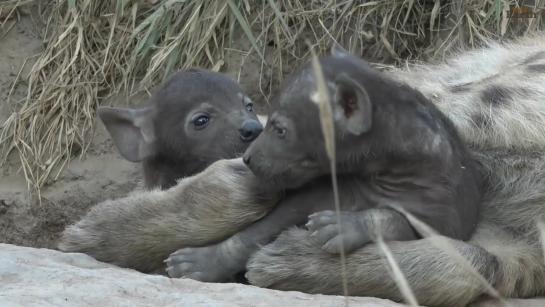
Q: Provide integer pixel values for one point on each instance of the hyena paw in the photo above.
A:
(208, 264)
(325, 230)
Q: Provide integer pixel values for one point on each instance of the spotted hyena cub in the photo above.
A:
(195, 118)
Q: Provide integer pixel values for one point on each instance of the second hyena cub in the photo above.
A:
(195, 118)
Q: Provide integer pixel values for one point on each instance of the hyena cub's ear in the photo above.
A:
(131, 130)
(351, 106)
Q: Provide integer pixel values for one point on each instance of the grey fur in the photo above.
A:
(164, 136)
(536, 68)
(140, 231)
(496, 96)
(393, 147)
(504, 248)
(519, 124)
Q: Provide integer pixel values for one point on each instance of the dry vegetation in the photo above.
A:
(97, 49)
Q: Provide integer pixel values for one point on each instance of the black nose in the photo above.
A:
(250, 130)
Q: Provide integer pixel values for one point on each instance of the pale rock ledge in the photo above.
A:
(44, 277)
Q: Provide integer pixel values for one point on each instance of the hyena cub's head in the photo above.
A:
(291, 150)
(195, 118)
(374, 118)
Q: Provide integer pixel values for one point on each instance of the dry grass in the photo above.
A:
(97, 49)
(397, 275)
(541, 228)
(9, 11)
(443, 244)
(321, 98)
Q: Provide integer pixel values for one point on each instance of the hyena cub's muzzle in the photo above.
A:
(249, 130)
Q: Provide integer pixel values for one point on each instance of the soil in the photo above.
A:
(102, 174)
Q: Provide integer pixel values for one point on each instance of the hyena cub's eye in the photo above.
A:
(248, 104)
(280, 131)
(201, 121)
(250, 107)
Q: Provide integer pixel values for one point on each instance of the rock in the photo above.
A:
(44, 277)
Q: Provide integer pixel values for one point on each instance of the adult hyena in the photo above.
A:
(493, 95)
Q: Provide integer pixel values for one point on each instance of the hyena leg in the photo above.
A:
(141, 230)
(295, 262)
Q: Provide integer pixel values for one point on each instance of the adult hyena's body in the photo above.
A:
(495, 98)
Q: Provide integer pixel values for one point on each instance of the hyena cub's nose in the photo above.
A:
(250, 130)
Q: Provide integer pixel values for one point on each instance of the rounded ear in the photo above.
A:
(337, 51)
(131, 130)
(352, 106)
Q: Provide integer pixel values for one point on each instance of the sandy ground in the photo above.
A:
(103, 174)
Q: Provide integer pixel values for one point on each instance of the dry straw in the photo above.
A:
(95, 49)
(541, 228)
(396, 273)
(443, 244)
(321, 98)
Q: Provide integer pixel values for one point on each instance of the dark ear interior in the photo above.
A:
(131, 131)
(353, 106)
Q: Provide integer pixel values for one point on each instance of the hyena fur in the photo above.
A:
(494, 95)
(393, 146)
(505, 243)
(140, 230)
(194, 118)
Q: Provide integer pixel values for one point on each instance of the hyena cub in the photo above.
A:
(393, 148)
(194, 119)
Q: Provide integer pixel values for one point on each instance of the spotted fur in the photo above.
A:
(506, 130)
(499, 85)
(507, 140)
